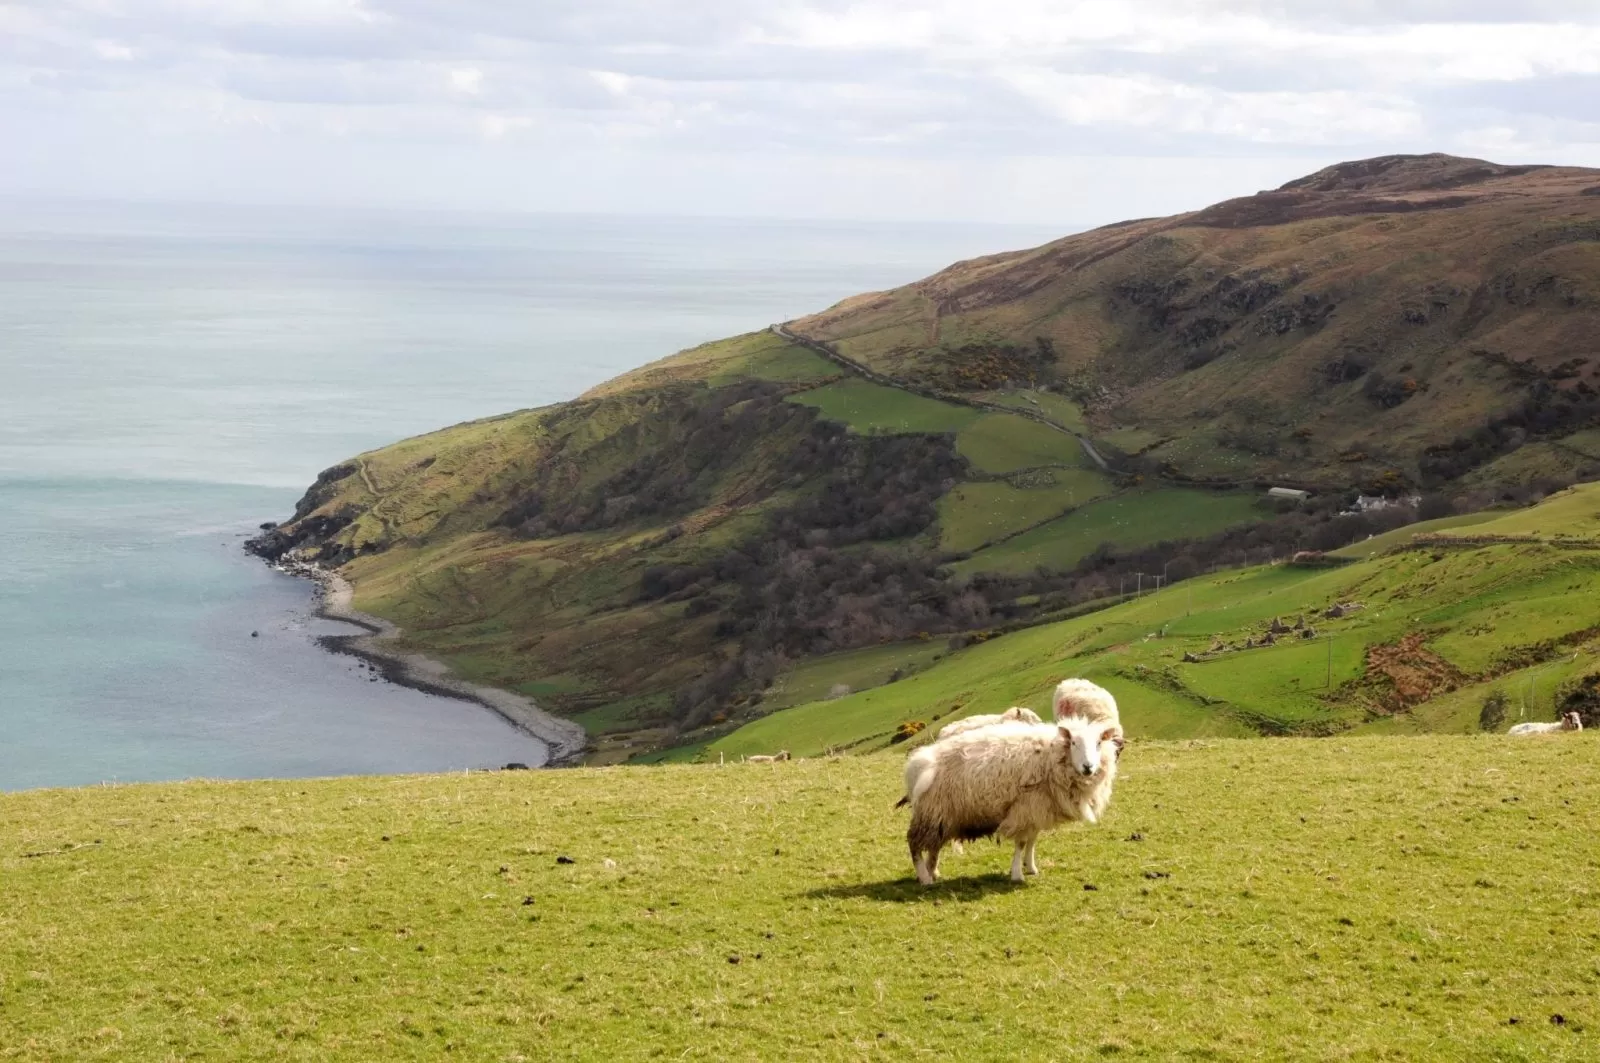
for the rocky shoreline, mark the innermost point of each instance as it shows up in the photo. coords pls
(564, 740)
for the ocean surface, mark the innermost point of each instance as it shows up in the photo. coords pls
(170, 377)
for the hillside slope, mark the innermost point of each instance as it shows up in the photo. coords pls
(1361, 899)
(1415, 634)
(1373, 318)
(993, 447)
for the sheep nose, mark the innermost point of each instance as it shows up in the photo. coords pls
(1087, 770)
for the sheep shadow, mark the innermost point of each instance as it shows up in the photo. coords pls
(909, 891)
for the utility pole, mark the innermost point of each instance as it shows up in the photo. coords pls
(1138, 587)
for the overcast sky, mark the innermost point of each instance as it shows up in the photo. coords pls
(1002, 110)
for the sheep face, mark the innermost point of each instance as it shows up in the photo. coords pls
(1572, 721)
(1090, 746)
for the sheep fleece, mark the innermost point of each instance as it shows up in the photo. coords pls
(1010, 779)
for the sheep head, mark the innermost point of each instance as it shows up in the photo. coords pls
(1571, 721)
(1089, 746)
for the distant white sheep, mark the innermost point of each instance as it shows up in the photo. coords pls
(763, 758)
(1014, 780)
(972, 723)
(1570, 721)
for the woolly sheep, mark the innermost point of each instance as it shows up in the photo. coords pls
(1014, 780)
(762, 758)
(1570, 721)
(972, 723)
(1091, 701)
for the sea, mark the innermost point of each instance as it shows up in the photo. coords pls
(171, 376)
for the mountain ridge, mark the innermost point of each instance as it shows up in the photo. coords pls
(906, 465)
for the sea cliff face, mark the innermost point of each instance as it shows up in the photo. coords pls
(909, 467)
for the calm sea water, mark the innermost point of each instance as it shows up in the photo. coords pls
(171, 377)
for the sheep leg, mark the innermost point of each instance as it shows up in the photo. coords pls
(924, 838)
(957, 848)
(1016, 861)
(1031, 859)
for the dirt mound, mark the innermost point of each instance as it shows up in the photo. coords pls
(1404, 674)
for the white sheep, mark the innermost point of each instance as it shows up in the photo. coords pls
(1080, 697)
(763, 758)
(972, 723)
(1088, 701)
(1014, 780)
(916, 765)
(1570, 721)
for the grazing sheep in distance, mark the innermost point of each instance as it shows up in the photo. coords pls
(762, 758)
(1570, 721)
(1015, 780)
(972, 723)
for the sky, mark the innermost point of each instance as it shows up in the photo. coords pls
(1056, 111)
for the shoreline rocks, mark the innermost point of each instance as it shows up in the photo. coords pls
(564, 741)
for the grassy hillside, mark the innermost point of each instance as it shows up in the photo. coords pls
(995, 446)
(1451, 612)
(1362, 899)
(1412, 317)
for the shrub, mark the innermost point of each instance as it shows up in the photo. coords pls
(1492, 716)
(908, 729)
(1583, 698)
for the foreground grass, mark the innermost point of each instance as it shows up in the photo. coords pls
(1352, 899)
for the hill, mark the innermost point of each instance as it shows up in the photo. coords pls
(1363, 898)
(1001, 445)
(1417, 632)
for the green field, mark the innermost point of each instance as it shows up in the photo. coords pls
(1001, 443)
(817, 679)
(1355, 899)
(1133, 519)
(976, 513)
(1510, 615)
(872, 408)
(1060, 409)
(1401, 536)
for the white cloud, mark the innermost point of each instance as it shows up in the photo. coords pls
(829, 105)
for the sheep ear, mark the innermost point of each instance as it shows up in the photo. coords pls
(1114, 734)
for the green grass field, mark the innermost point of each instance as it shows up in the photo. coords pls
(817, 678)
(1354, 899)
(976, 513)
(1060, 409)
(869, 408)
(1400, 536)
(1134, 519)
(1472, 605)
(1001, 443)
